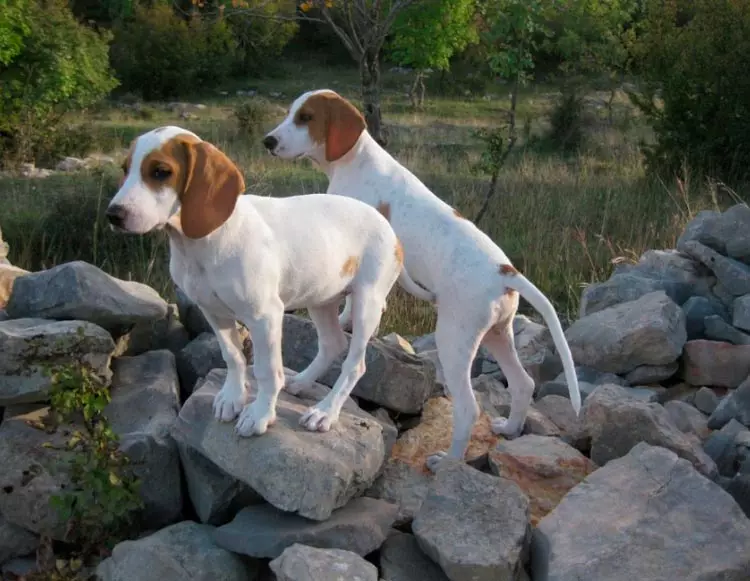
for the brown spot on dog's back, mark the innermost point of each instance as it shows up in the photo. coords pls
(385, 209)
(508, 270)
(399, 251)
(350, 267)
(457, 214)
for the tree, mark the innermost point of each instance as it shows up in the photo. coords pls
(513, 31)
(362, 26)
(693, 60)
(49, 64)
(426, 36)
(592, 37)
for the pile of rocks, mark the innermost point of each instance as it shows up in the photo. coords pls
(650, 482)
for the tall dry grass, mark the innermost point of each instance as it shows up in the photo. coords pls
(563, 221)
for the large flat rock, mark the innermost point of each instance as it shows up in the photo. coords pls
(648, 515)
(647, 331)
(31, 348)
(81, 291)
(310, 473)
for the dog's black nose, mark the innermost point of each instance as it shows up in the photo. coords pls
(270, 142)
(116, 215)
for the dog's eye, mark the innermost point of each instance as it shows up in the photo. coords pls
(305, 117)
(161, 173)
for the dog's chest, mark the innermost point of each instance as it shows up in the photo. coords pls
(197, 282)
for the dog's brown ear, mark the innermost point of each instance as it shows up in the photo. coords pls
(345, 125)
(212, 185)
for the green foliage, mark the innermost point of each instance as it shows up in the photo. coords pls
(591, 36)
(251, 116)
(515, 29)
(693, 61)
(14, 27)
(104, 496)
(426, 35)
(51, 64)
(159, 55)
(566, 131)
(493, 153)
(262, 33)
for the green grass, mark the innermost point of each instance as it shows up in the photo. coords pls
(563, 220)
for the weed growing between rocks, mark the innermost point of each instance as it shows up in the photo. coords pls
(100, 506)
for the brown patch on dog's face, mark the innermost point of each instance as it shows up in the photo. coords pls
(349, 268)
(507, 270)
(399, 251)
(168, 166)
(205, 180)
(385, 209)
(332, 120)
(126, 164)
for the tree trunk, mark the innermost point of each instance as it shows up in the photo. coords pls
(422, 90)
(369, 70)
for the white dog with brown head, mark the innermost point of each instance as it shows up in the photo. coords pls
(249, 258)
(476, 286)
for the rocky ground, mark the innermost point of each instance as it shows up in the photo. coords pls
(651, 482)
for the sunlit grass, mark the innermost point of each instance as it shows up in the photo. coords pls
(562, 220)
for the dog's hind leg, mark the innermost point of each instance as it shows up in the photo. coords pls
(499, 342)
(367, 308)
(457, 337)
(331, 343)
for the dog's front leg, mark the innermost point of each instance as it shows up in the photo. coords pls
(265, 329)
(233, 395)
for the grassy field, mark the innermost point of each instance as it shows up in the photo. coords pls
(563, 220)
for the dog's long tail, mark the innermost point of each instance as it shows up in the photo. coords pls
(408, 284)
(537, 300)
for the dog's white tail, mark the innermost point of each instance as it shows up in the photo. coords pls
(537, 300)
(413, 288)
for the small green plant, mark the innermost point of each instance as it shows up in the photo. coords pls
(498, 143)
(567, 123)
(251, 115)
(104, 498)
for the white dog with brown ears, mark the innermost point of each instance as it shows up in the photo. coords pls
(475, 284)
(249, 258)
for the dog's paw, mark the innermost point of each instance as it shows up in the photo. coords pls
(254, 420)
(318, 418)
(504, 427)
(435, 459)
(229, 402)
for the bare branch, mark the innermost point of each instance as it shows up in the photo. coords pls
(341, 33)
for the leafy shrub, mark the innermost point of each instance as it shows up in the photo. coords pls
(251, 116)
(262, 39)
(566, 131)
(694, 58)
(159, 55)
(49, 65)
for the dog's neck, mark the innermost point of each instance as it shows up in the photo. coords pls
(364, 149)
(178, 239)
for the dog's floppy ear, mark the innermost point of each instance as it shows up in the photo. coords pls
(212, 185)
(345, 125)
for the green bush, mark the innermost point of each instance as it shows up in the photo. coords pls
(159, 55)
(251, 116)
(49, 65)
(262, 39)
(694, 58)
(566, 120)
